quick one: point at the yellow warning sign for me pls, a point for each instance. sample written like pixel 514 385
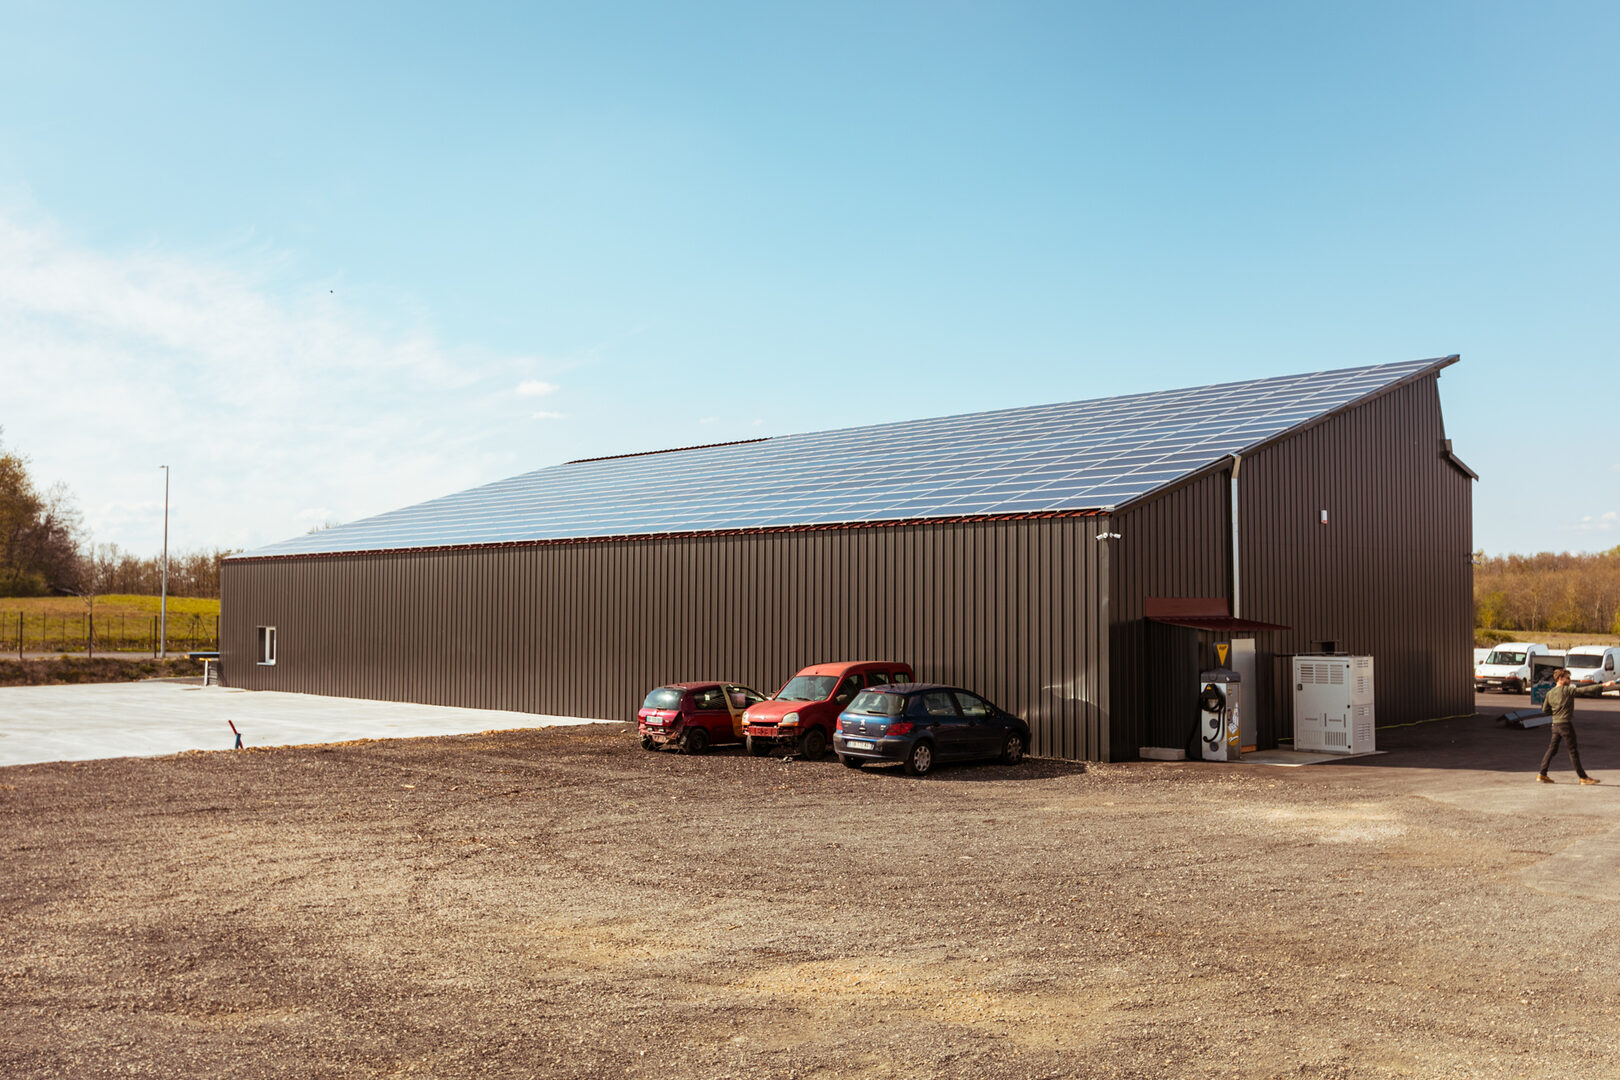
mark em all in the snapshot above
pixel 1220 651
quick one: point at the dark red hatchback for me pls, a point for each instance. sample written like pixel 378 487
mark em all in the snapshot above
pixel 694 715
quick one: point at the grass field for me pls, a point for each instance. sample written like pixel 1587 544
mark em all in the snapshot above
pixel 40 624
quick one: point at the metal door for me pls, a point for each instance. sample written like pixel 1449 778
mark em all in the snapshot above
pixel 1243 662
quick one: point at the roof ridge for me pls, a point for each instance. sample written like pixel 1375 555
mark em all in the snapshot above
pixel 669 450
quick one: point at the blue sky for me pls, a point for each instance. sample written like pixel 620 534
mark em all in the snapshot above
pixel 327 260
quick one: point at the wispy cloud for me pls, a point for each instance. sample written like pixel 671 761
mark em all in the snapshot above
pixel 1597 523
pixel 275 404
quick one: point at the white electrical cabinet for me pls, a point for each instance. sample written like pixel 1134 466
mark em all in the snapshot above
pixel 1333 704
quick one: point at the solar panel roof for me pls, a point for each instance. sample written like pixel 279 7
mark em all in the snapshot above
pixel 1079 455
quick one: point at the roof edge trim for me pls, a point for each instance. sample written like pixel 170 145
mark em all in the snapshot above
pixel 964 519
pixel 1457 463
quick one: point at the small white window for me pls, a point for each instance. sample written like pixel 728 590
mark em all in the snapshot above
pixel 267 645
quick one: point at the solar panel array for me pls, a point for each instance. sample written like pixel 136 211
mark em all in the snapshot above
pixel 1079 455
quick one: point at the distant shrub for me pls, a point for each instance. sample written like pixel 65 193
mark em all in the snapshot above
pixel 78 669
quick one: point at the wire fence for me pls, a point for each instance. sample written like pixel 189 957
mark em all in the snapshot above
pixel 23 632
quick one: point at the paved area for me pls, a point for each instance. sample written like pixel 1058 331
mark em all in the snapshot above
pixel 147 719
pixel 1483 766
pixel 1292 759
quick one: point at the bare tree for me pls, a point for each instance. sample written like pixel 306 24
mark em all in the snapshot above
pixel 92 570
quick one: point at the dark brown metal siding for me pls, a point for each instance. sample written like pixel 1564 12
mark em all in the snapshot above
pixel 1176 545
pixel 1014 609
pixel 1389 575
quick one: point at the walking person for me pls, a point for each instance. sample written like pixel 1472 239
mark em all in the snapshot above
pixel 1560 705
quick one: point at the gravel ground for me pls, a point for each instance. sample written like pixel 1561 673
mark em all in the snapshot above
pixel 560 903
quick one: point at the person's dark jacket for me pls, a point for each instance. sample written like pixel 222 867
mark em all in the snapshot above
pixel 1560 702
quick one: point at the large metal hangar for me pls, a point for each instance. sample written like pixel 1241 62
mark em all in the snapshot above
pixel 1076 563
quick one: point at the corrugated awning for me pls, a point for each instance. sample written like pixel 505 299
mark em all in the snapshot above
pixel 1224 624
pixel 1203 613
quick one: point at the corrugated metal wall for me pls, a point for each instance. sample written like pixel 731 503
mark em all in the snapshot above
pixel 1390 574
pixel 1013 609
pixel 1174 545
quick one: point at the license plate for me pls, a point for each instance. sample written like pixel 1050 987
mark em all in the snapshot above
pixel 859 744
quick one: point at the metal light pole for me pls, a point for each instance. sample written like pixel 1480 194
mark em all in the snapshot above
pixel 163 602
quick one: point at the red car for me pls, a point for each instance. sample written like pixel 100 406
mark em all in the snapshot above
pixel 803 713
pixel 694 715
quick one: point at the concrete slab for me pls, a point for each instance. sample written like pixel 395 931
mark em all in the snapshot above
pixel 1295 758
pixel 1587 869
pixel 147 719
pixel 1483 765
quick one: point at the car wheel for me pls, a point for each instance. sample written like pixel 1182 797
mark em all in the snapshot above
pixel 647 743
pixel 696 741
pixel 851 762
pixel 812 744
pixel 920 759
pixel 1013 752
pixel 758 747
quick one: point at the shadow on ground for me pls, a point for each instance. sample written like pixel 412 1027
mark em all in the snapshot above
pixel 1483 742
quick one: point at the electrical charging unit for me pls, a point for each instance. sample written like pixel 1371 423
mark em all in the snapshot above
pixel 1333 704
pixel 1219 705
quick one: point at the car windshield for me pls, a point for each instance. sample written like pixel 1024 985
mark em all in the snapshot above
pixel 875 704
pixel 1583 660
pixel 1500 657
pixel 808 688
pixel 665 697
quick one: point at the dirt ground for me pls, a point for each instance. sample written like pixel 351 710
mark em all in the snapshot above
pixel 559 903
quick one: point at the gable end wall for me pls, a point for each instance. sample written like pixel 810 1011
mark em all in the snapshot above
pixel 1389 575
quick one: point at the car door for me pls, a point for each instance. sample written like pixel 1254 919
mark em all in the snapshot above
pixel 739 698
pixel 947 728
pixel 981 731
pixel 712 713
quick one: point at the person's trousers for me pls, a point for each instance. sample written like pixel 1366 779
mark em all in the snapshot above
pixel 1565 732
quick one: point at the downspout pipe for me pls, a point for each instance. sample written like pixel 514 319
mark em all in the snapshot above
pixel 1237 591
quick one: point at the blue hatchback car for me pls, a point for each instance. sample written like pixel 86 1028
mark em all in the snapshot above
pixel 919 724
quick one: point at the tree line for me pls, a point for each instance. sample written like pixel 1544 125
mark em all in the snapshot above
pixel 1566 593
pixel 46 550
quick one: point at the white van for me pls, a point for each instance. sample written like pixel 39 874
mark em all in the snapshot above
pixel 1592 664
pixel 1512 668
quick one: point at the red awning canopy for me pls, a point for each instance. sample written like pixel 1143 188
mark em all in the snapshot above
pixel 1203 613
